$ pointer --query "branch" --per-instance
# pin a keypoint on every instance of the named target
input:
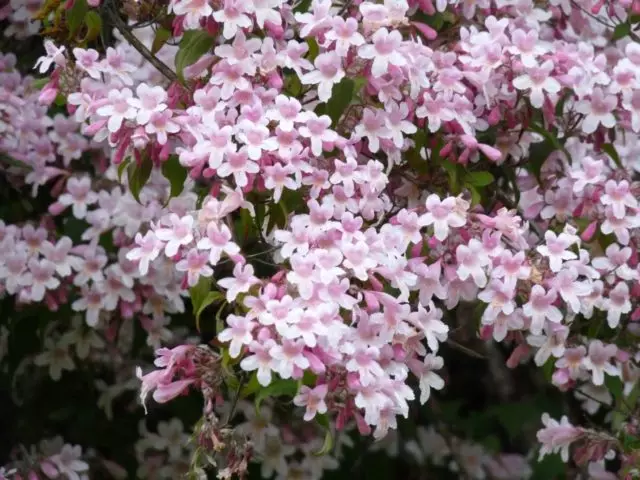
(162, 67)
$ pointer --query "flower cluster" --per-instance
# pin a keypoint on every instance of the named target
(342, 181)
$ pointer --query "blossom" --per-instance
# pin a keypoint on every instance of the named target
(313, 399)
(617, 304)
(556, 249)
(597, 361)
(238, 333)
(54, 55)
(178, 232)
(428, 378)
(218, 240)
(540, 308)
(233, 16)
(195, 264)
(557, 436)
(328, 72)
(118, 109)
(618, 196)
(442, 214)
(384, 51)
(471, 262)
(79, 196)
(598, 111)
(316, 129)
(428, 322)
(56, 357)
(241, 281)
(538, 80)
(147, 250)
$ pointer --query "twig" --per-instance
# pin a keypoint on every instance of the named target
(139, 46)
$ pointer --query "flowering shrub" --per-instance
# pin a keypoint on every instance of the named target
(310, 232)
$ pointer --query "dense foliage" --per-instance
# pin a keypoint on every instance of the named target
(320, 239)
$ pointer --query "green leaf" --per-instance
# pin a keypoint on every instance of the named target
(162, 36)
(327, 445)
(138, 176)
(39, 83)
(122, 167)
(94, 26)
(622, 30)
(313, 49)
(76, 15)
(476, 198)
(175, 173)
(193, 45)
(202, 297)
(278, 388)
(251, 387)
(452, 170)
(341, 96)
(610, 150)
(479, 179)
(302, 7)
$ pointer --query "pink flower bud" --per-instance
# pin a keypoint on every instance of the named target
(56, 208)
(48, 469)
(446, 150)
(274, 80)
(375, 283)
(518, 354)
(93, 3)
(428, 32)
(95, 127)
(588, 233)
(47, 96)
(275, 31)
(492, 153)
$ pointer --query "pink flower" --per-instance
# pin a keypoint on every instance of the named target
(384, 51)
(54, 55)
(242, 280)
(87, 61)
(442, 214)
(195, 265)
(118, 109)
(540, 308)
(40, 278)
(261, 360)
(238, 164)
(618, 196)
(557, 437)
(598, 111)
(288, 356)
(148, 249)
(428, 321)
(598, 361)
(313, 399)
(425, 372)
(217, 241)
(345, 35)
(556, 249)
(538, 80)
(179, 232)
(92, 301)
(233, 16)
(79, 195)
(193, 11)
(316, 129)
(160, 124)
(238, 333)
(617, 304)
(327, 73)
(471, 262)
